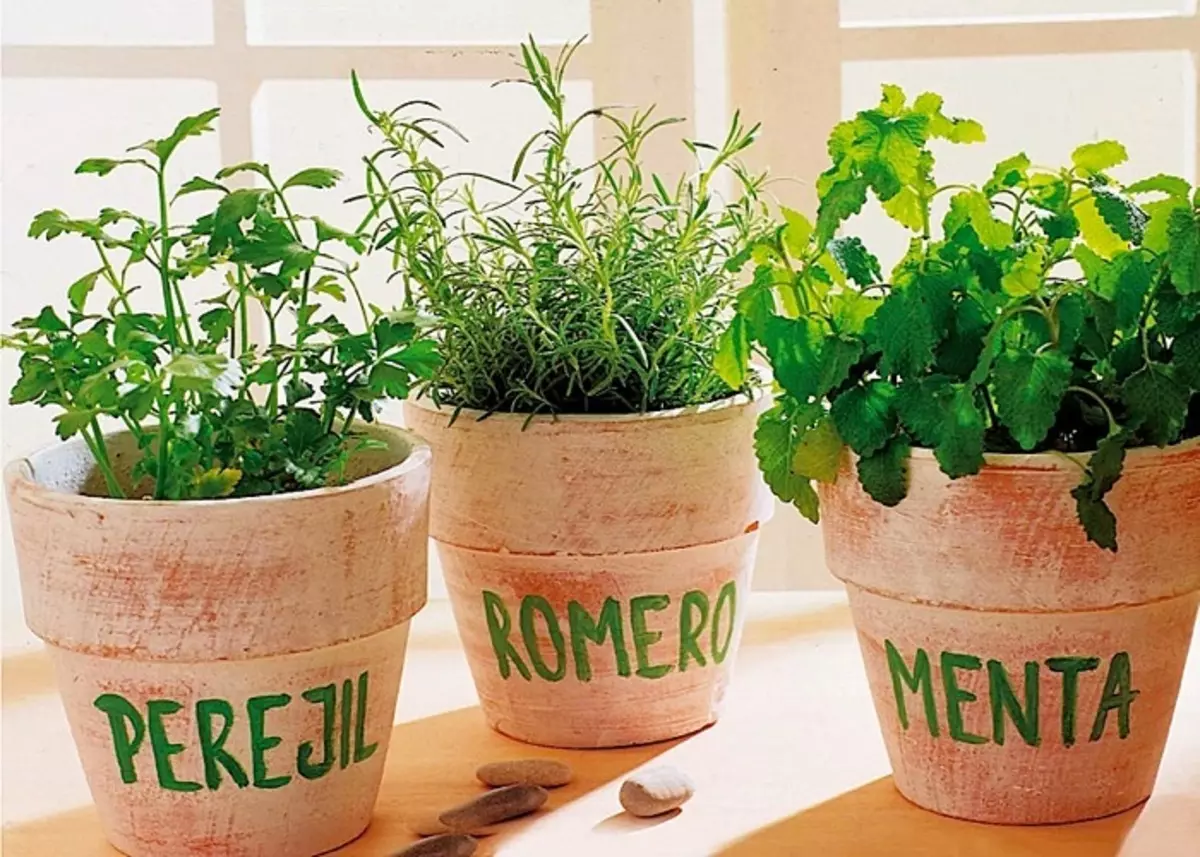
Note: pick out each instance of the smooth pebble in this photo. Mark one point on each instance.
(493, 807)
(547, 773)
(446, 845)
(655, 791)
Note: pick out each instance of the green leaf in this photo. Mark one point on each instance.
(865, 416)
(328, 232)
(796, 233)
(1122, 214)
(1096, 232)
(923, 406)
(1029, 391)
(1125, 282)
(844, 199)
(1183, 250)
(1185, 357)
(421, 358)
(884, 474)
(774, 448)
(198, 184)
(244, 167)
(818, 455)
(953, 129)
(216, 482)
(850, 311)
(189, 126)
(1172, 186)
(858, 263)
(78, 291)
(72, 421)
(1100, 156)
(318, 177)
(960, 450)
(756, 304)
(213, 374)
(793, 347)
(1097, 518)
(389, 379)
(1157, 402)
(104, 166)
(1008, 173)
(907, 209)
(46, 321)
(1103, 470)
(1024, 276)
(903, 331)
(732, 360)
(216, 323)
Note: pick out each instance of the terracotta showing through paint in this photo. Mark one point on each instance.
(229, 668)
(1021, 674)
(598, 566)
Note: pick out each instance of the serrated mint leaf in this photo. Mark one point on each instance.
(818, 454)
(907, 209)
(884, 474)
(774, 447)
(923, 407)
(794, 348)
(732, 360)
(865, 416)
(1100, 156)
(1096, 232)
(1103, 470)
(1172, 186)
(1029, 390)
(1185, 357)
(1097, 518)
(976, 209)
(855, 260)
(1122, 214)
(1008, 173)
(960, 450)
(1125, 282)
(1024, 276)
(843, 199)
(837, 355)
(1183, 250)
(903, 332)
(1156, 236)
(796, 233)
(850, 310)
(1157, 402)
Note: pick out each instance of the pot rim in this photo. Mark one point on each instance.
(758, 393)
(20, 472)
(1066, 460)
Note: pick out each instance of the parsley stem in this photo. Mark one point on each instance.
(160, 475)
(163, 261)
(95, 442)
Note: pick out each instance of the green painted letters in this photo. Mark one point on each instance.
(213, 750)
(1004, 701)
(1070, 669)
(583, 630)
(728, 594)
(1119, 694)
(644, 639)
(921, 678)
(689, 628)
(362, 751)
(164, 749)
(326, 697)
(126, 741)
(260, 742)
(530, 604)
(956, 696)
(344, 743)
(499, 627)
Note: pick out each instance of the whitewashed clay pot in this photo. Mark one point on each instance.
(598, 566)
(971, 594)
(229, 667)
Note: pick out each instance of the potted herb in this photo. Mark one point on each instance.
(225, 580)
(596, 503)
(1016, 519)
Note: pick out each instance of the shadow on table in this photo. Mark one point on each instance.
(430, 767)
(875, 821)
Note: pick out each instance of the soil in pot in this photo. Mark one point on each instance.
(229, 667)
(598, 566)
(1022, 675)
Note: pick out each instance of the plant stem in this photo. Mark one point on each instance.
(99, 450)
(164, 434)
(163, 266)
(1091, 394)
(117, 284)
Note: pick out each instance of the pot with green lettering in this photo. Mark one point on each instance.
(1021, 673)
(597, 565)
(230, 667)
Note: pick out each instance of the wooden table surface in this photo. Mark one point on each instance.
(795, 767)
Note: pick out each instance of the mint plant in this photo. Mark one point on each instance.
(215, 413)
(591, 287)
(1050, 310)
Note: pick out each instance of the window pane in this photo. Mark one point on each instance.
(1145, 100)
(414, 22)
(903, 12)
(111, 22)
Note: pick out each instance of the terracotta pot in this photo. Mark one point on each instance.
(229, 667)
(598, 566)
(973, 596)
